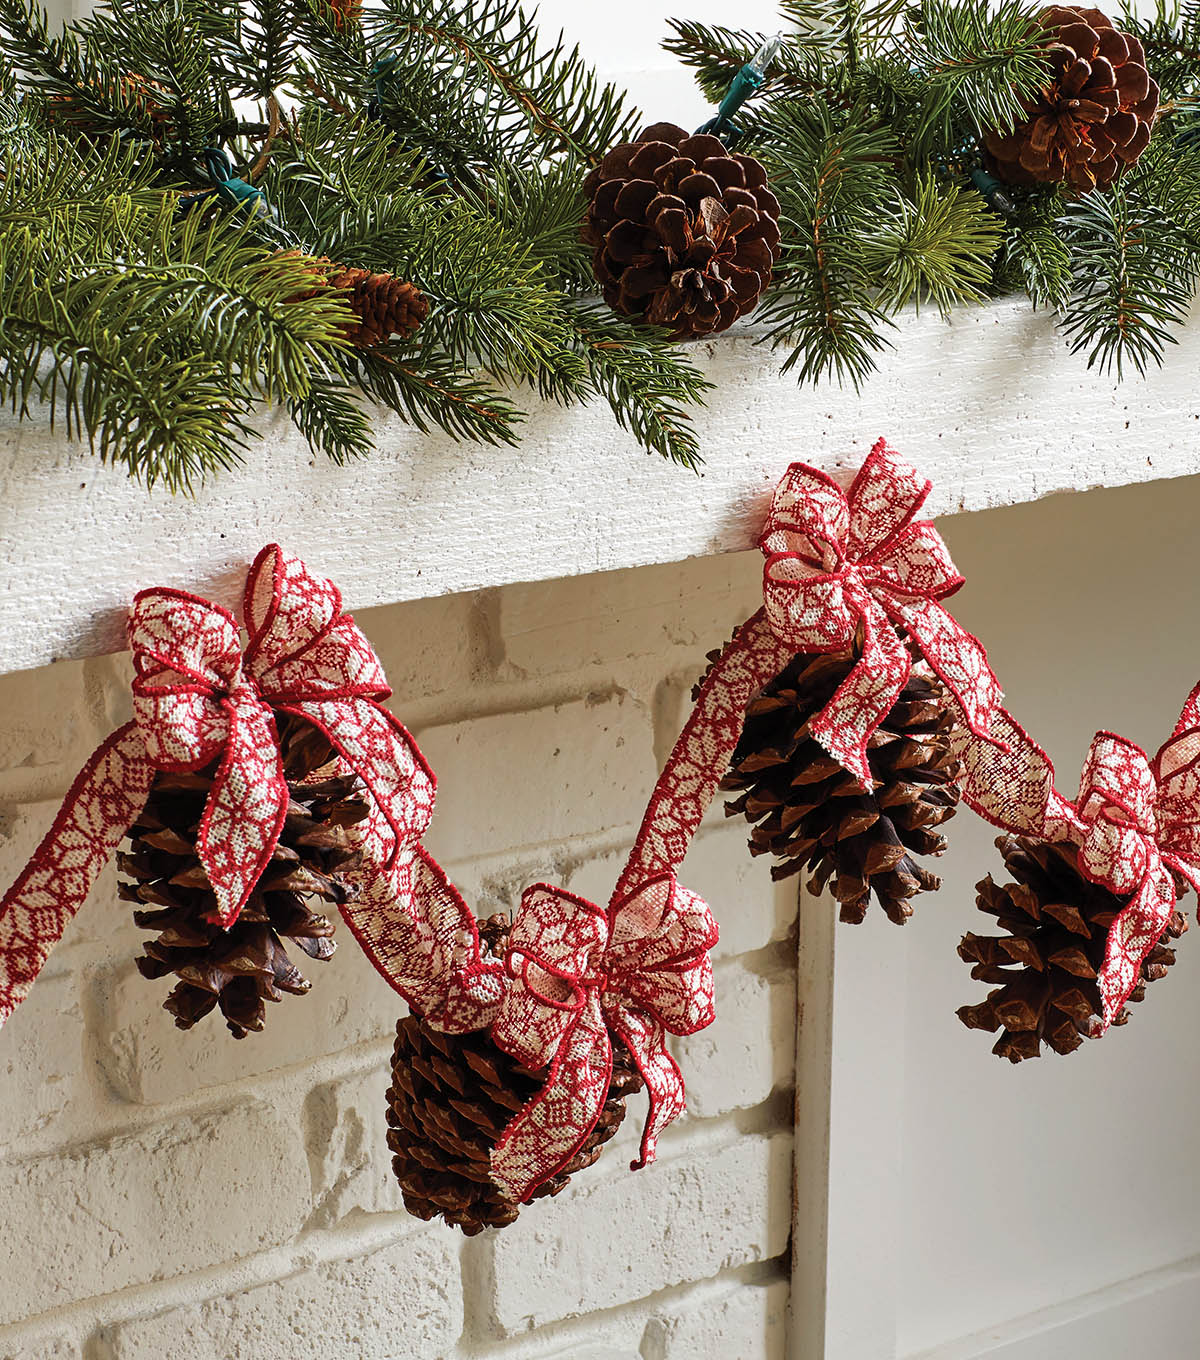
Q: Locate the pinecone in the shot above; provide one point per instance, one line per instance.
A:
(450, 1099)
(811, 812)
(1056, 923)
(385, 305)
(1092, 118)
(685, 235)
(241, 968)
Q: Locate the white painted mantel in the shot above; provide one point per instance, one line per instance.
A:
(990, 405)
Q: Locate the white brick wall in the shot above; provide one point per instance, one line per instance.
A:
(169, 1194)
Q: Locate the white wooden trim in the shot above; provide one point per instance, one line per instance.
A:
(989, 405)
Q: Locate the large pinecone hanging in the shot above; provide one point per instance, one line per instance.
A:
(1092, 118)
(685, 235)
(810, 812)
(1056, 923)
(450, 1099)
(241, 968)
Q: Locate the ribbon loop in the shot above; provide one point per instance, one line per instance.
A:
(575, 978)
(846, 569)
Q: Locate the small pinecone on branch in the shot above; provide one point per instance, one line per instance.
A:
(1056, 926)
(811, 813)
(240, 969)
(451, 1097)
(385, 305)
(1094, 115)
(684, 234)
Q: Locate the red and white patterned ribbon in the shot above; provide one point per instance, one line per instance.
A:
(1136, 820)
(578, 974)
(846, 566)
(197, 697)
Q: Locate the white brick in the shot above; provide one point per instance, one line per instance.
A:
(150, 1206)
(610, 1242)
(404, 1300)
(46, 733)
(526, 778)
(551, 627)
(345, 1131)
(41, 1059)
(750, 1323)
(751, 910)
(427, 646)
(749, 1049)
(147, 1060)
(42, 1346)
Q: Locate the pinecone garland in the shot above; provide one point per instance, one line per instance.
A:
(1092, 118)
(450, 1099)
(685, 235)
(811, 813)
(1056, 923)
(240, 969)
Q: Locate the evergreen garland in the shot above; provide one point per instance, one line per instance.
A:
(871, 124)
(181, 176)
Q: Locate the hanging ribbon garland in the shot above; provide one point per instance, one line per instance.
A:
(853, 572)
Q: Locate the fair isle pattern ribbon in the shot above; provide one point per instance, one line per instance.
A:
(847, 566)
(577, 975)
(1135, 824)
(198, 697)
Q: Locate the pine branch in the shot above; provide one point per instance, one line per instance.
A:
(939, 246)
(832, 177)
(1134, 278)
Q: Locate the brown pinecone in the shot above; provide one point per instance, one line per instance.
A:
(1092, 118)
(241, 968)
(451, 1097)
(1056, 923)
(685, 235)
(385, 305)
(810, 812)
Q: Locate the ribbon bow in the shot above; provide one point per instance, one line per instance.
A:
(198, 697)
(844, 567)
(1137, 824)
(575, 976)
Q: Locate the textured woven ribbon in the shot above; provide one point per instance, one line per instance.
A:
(1135, 824)
(578, 975)
(847, 569)
(198, 697)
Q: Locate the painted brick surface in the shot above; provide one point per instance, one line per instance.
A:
(749, 1050)
(750, 1323)
(525, 778)
(346, 1137)
(153, 1205)
(41, 1060)
(696, 1214)
(404, 1300)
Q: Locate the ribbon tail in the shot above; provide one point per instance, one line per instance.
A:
(245, 811)
(379, 750)
(646, 1040)
(1131, 937)
(845, 725)
(957, 657)
(700, 757)
(1009, 780)
(103, 802)
(553, 1126)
